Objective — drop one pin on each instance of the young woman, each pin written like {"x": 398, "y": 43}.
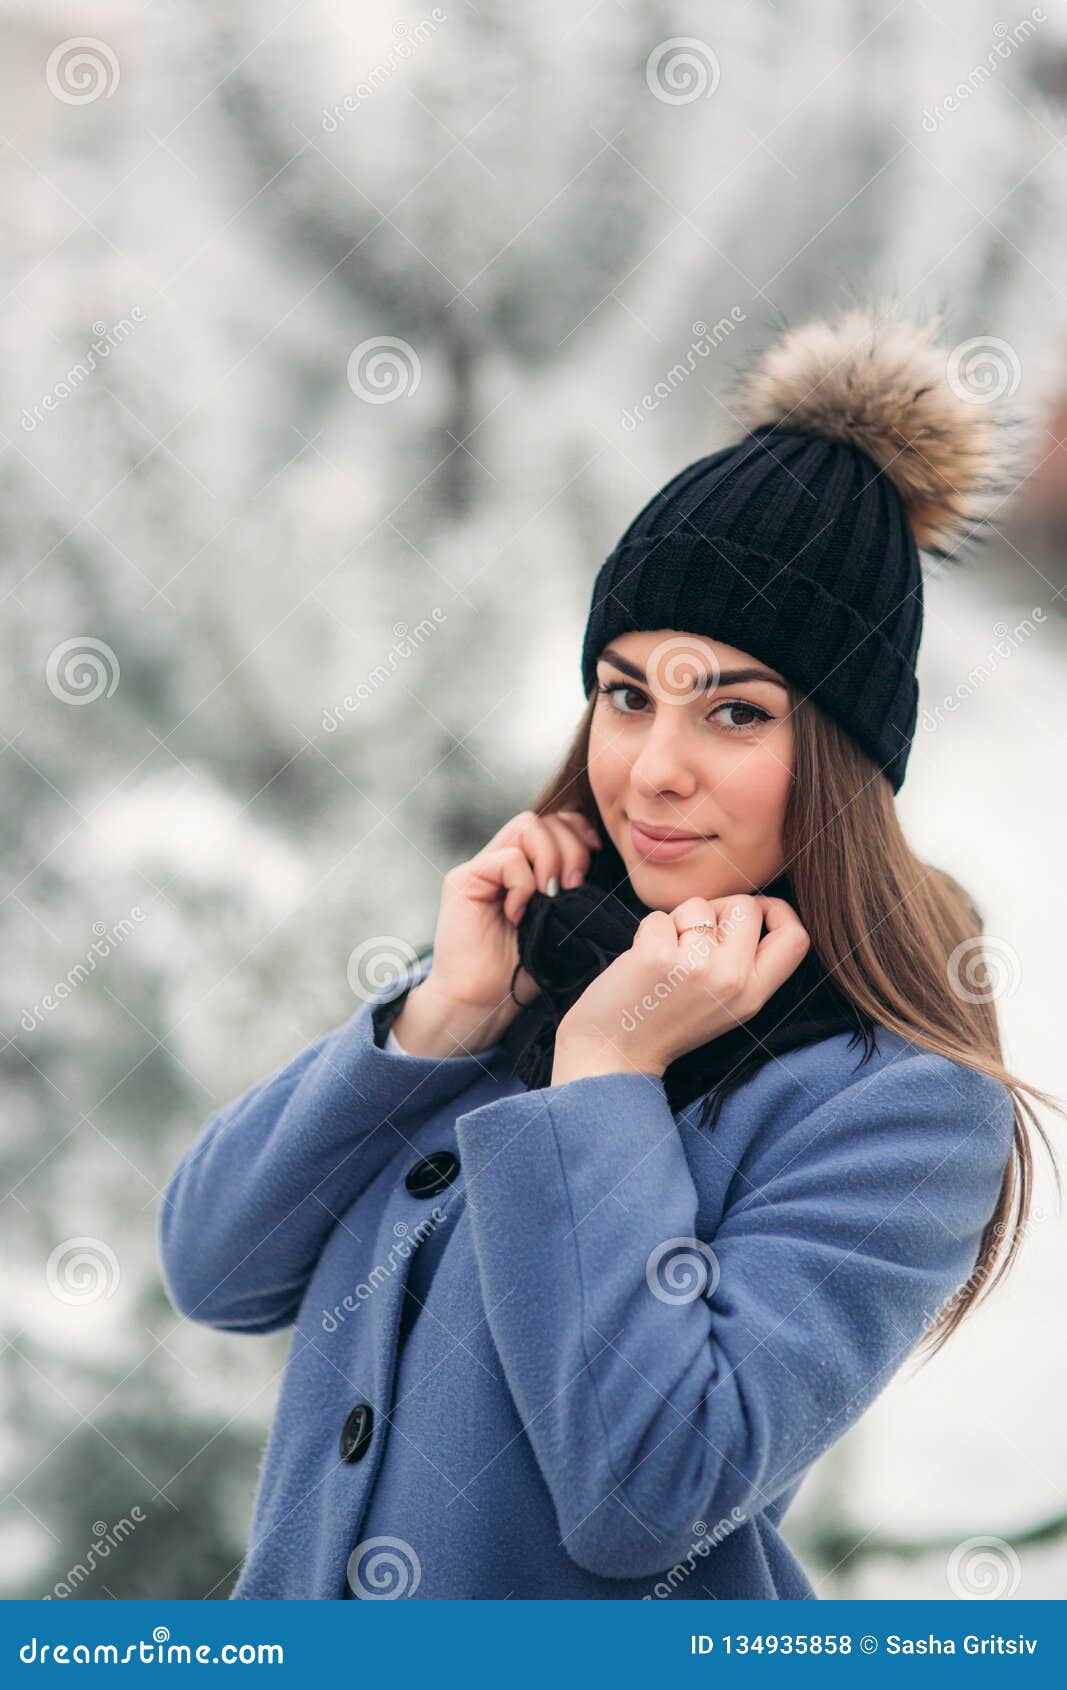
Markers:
{"x": 601, "y": 1225}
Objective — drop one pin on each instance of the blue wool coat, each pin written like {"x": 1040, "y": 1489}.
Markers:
{"x": 562, "y": 1342}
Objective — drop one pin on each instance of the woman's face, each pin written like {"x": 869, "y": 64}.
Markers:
{"x": 694, "y": 737}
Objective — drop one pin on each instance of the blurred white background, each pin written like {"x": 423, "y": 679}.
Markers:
{"x": 224, "y": 512}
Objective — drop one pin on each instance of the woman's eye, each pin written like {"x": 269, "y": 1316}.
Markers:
{"x": 754, "y": 716}
{"x": 628, "y": 692}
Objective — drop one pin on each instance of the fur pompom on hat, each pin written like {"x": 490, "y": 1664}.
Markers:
{"x": 884, "y": 388}
{"x": 800, "y": 544}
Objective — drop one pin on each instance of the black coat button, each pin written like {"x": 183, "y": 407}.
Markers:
{"x": 355, "y": 1433}
{"x": 432, "y": 1174}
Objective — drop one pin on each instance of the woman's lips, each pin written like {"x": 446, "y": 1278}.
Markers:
{"x": 662, "y": 850}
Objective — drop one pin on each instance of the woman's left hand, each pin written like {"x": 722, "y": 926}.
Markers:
{"x": 674, "y": 990}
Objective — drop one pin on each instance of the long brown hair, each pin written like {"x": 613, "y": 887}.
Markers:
{"x": 894, "y": 932}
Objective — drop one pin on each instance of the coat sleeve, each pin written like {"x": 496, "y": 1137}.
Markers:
{"x": 665, "y": 1378}
{"x": 248, "y": 1208}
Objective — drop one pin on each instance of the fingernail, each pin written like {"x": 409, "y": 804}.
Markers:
{"x": 575, "y": 877}
{"x": 553, "y": 886}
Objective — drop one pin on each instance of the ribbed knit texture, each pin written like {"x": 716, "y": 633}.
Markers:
{"x": 793, "y": 548}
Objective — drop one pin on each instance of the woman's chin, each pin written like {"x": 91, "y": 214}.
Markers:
{"x": 663, "y": 886}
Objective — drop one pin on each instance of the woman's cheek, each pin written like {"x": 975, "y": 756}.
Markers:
{"x": 756, "y": 789}
{"x": 608, "y": 766}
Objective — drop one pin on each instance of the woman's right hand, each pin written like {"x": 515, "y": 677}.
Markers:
{"x": 465, "y": 1001}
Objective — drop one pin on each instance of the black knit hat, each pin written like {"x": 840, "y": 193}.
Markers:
{"x": 801, "y": 544}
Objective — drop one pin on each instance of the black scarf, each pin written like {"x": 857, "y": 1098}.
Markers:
{"x": 566, "y": 941}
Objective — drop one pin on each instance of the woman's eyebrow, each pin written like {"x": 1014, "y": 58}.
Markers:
{"x": 725, "y": 678}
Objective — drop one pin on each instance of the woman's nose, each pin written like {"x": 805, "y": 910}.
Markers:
{"x": 665, "y": 761}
